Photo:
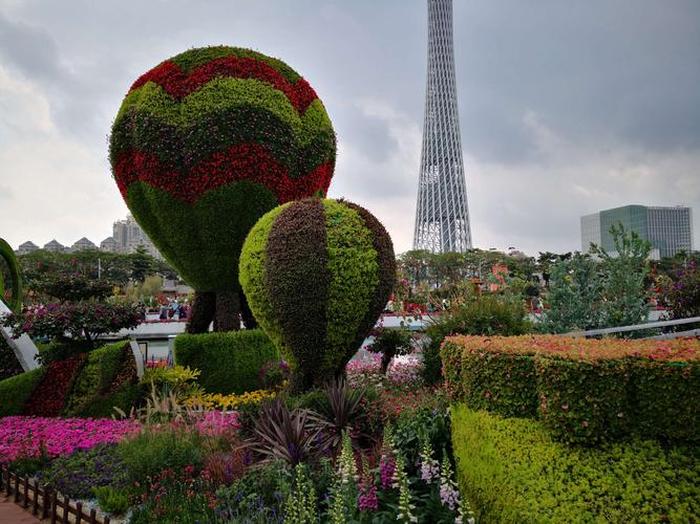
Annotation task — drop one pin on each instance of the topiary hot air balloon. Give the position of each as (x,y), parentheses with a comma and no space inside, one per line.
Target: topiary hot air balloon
(203,145)
(317,274)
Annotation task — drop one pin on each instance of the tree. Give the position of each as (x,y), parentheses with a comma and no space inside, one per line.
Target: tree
(141,264)
(625,296)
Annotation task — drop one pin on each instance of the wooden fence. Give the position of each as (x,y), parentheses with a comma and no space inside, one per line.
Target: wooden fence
(45,502)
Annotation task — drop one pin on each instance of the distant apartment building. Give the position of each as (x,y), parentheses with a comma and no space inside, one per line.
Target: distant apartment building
(127,235)
(26,248)
(55,247)
(668,229)
(82,245)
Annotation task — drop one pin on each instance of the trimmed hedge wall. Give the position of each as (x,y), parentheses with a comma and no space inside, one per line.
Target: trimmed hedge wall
(317,274)
(229,362)
(16,391)
(584,391)
(207,142)
(512,471)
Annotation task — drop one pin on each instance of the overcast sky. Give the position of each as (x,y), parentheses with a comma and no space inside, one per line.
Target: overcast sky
(566,107)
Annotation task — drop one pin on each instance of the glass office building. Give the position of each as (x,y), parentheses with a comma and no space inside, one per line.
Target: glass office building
(669,229)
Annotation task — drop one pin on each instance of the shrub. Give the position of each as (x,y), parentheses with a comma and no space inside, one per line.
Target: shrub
(481,315)
(15,391)
(585,390)
(203,145)
(317,274)
(512,471)
(113,501)
(49,397)
(96,377)
(228,362)
(9,365)
(8,256)
(390,343)
(154,450)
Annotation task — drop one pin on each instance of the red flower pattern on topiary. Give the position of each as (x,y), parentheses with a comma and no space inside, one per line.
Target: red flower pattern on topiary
(179,84)
(249,162)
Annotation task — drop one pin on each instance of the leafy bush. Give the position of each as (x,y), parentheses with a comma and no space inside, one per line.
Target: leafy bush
(257,497)
(512,471)
(228,362)
(317,274)
(76,475)
(583,390)
(473,315)
(9,365)
(154,450)
(113,501)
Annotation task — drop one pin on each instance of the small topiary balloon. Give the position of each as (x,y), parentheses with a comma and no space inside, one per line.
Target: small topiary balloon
(317,274)
(206,143)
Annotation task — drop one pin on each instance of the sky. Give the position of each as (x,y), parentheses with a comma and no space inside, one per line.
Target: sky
(566,107)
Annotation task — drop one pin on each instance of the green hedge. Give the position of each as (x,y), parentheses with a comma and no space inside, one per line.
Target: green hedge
(96,378)
(512,471)
(15,391)
(229,362)
(584,391)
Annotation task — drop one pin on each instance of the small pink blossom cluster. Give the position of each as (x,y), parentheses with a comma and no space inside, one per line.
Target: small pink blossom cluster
(402,370)
(29,436)
(217,423)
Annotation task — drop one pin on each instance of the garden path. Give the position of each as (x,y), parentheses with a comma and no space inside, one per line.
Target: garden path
(11,513)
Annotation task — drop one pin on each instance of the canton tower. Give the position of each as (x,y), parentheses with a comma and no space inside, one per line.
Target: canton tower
(442,217)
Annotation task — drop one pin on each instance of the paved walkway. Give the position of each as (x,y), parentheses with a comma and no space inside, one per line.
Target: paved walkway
(11,513)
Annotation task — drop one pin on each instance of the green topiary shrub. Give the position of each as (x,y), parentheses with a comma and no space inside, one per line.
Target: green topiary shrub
(584,391)
(8,256)
(16,391)
(317,274)
(96,378)
(203,145)
(511,471)
(228,362)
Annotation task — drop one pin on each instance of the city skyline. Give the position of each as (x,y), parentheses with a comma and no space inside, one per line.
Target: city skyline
(565,109)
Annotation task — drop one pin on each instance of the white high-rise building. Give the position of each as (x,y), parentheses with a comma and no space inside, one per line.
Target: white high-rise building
(128,235)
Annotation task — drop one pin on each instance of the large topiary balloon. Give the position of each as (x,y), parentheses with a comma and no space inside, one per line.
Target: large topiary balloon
(203,145)
(317,274)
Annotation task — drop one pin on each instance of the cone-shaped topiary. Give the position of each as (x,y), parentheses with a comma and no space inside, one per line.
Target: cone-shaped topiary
(206,143)
(317,274)
(8,255)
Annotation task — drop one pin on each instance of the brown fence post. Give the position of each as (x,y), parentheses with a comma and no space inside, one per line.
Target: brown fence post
(54,504)
(106,520)
(66,509)
(25,502)
(93,516)
(35,502)
(45,503)
(16,487)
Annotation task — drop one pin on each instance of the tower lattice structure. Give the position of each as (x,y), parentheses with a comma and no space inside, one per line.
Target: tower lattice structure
(442,215)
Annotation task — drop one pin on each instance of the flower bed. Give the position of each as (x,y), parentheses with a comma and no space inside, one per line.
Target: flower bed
(32,436)
(583,390)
